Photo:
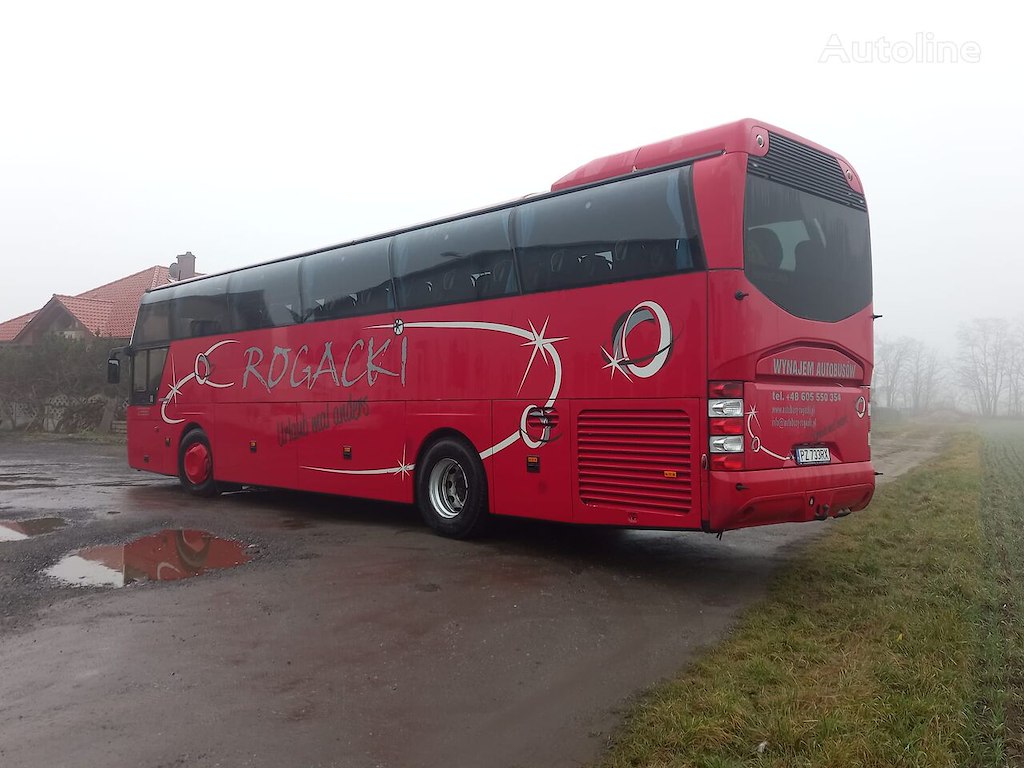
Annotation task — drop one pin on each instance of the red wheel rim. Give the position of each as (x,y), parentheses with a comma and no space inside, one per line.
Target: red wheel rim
(197,463)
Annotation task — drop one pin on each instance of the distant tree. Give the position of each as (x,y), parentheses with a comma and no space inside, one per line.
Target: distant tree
(1015,370)
(891,369)
(985,359)
(923,376)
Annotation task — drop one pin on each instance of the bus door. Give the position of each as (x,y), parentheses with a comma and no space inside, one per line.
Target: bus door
(151,446)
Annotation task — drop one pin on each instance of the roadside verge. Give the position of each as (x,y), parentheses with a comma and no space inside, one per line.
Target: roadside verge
(881,644)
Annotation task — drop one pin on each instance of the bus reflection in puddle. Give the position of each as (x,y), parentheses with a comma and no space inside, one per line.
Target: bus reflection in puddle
(166,556)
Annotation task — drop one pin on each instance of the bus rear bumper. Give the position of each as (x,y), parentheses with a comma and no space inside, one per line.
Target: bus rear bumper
(792,495)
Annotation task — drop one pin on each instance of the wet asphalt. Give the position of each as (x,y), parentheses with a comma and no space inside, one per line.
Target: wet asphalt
(349,635)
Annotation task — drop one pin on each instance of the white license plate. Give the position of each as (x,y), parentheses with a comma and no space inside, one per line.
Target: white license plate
(813,456)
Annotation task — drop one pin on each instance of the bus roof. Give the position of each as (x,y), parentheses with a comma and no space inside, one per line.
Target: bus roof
(739,136)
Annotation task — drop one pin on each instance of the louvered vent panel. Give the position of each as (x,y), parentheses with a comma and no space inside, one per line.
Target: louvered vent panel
(805,168)
(635,459)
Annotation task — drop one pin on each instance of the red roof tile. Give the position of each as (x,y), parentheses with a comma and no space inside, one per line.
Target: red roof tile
(125,295)
(12,328)
(92,313)
(108,310)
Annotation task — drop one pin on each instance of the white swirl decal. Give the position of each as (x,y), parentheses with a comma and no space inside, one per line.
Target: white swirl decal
(202,369)
(642,366)
(537,341)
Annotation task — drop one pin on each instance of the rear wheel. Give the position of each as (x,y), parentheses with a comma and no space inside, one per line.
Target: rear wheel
(195,464)
(451,489)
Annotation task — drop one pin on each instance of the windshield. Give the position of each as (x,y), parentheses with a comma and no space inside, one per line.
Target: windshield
(809,255)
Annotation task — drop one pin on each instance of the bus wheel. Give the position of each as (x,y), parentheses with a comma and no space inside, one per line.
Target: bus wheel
(451,489)
(195,464)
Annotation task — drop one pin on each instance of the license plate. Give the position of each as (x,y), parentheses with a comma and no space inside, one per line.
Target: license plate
(813,456)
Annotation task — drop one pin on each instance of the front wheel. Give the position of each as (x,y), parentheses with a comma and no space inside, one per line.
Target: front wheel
(195,464)
(451,489)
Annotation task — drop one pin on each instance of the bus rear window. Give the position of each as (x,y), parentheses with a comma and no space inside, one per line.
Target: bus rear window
(809,255)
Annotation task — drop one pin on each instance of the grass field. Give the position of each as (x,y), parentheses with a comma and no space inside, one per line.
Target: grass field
(895,640)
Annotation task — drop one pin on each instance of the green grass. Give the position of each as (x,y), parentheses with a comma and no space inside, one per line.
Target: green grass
(896,640)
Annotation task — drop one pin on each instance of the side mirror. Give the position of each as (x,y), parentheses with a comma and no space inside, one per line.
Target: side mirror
(113,371)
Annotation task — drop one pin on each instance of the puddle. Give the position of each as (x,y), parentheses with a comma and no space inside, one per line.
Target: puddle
(17,530)
(166,556)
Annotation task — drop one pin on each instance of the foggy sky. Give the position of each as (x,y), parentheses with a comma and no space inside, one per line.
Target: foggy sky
(131,132)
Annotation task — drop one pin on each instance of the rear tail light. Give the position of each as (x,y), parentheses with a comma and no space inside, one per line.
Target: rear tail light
(728,461)
(725,425)
(730,407)
(732,389)
(727,443)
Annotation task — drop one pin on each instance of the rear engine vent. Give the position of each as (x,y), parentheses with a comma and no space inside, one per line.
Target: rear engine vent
(635,460)
(795,165)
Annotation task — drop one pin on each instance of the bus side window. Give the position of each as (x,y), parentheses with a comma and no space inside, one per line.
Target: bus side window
(376,299)
(626,229)
(199,308)
(499,281)
(347,281)
(266,296)
(458,261)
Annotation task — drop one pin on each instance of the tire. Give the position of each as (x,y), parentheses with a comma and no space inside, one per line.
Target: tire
(195,464)
(451,489)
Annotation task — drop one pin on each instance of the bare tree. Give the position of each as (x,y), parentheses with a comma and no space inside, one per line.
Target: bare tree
(922,376)
(1015,370)
(984,361)
(890,376)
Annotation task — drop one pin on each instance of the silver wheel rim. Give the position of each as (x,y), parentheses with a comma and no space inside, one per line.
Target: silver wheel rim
(449,488)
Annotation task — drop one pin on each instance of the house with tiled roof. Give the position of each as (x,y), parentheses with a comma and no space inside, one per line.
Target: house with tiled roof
(107,311)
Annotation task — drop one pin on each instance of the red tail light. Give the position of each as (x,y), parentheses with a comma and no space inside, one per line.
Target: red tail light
(725,389)
(731,461)
(728,426)
(726,444)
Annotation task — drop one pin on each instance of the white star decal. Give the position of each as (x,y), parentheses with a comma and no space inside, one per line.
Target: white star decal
(403,469)
(539,344)
(615,363)
(174,388)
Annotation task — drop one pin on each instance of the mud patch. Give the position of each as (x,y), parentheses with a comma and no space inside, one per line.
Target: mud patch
(169,555)
(17,530)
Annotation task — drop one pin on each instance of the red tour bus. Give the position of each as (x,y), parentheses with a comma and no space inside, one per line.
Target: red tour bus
(677,337)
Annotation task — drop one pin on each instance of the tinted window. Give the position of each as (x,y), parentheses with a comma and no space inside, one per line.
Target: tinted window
(266,296)
(354,280)
(639,227)
(147,370)
(809,255)
(200,308)
(459,261)
(154,323)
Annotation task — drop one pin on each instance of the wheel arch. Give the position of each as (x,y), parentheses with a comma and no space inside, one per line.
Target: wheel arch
(186,429)
(191,427)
